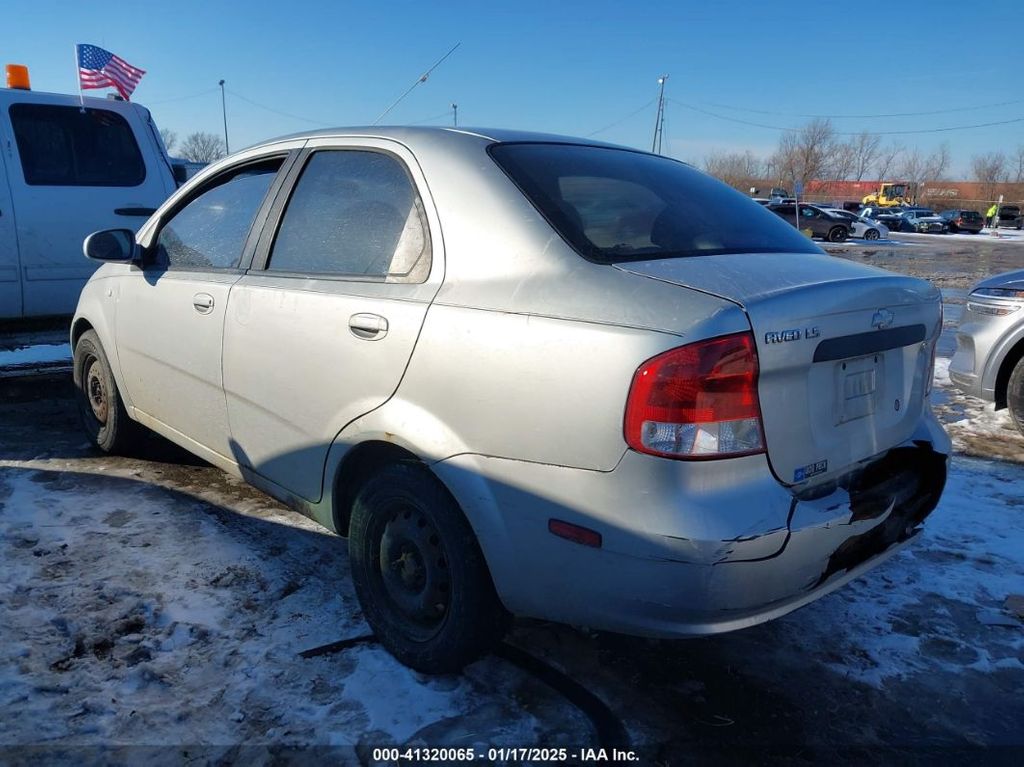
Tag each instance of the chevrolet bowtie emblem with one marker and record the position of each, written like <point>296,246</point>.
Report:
<point>883,318</point>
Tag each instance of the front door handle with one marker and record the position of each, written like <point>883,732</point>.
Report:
<point>369,327</point>
<point>203,302</point>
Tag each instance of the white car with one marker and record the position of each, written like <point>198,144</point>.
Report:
<point>865,228</point>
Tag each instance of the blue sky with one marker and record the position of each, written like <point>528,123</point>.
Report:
<point>567,67</point>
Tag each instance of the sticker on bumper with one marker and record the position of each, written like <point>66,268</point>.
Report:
<point>810,470</point>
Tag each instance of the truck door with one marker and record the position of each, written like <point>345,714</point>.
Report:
<point>10,284</point>
<point>73,171</point>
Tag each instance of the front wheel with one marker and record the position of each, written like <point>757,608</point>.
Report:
<point>871,234</point>
<point>1015,395</point>
<point>419,573</point>
<point>100,406</point>
<point>836,234</point>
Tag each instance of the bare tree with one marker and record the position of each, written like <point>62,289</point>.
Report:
<point>888,158</point>
<point>843,162</point>
<point>865,149</point>
<point>202,147</point>
<point>918,168</point>
<point>990,170</point>
<point>169,137</point>
<point>937,164</point>
<point>739,170</point>
<point>1019,162</point>
<point>808,154</point>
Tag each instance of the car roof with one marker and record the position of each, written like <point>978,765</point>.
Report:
<point>415,135</point>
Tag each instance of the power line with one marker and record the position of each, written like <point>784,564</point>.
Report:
<point>422,79</point>
<point>623,119</point>
<point>446,113</point>
<point>181,98</point>
<point>787,129</point>
<point>864,116</point>
<point>279,112</point>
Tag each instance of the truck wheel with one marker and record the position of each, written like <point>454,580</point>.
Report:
<point>1015,395</point>
<point>871,234</point>
<point>836,234</point>
<point>419,573</point>
<point>99,403</point>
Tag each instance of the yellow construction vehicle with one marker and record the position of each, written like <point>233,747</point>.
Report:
<point>892,194</point>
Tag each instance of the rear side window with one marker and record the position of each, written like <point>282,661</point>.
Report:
<point>211,230</point>
<point>354,213</point>
<point>66,146</point>
<point>616,205</point>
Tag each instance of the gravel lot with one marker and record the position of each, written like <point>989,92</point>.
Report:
<point>157,603</point>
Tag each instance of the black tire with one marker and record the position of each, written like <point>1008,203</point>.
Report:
<point>871,234</point>
<point>837,234</point>
<point>1015,395</point>
<point>419,573</point>
<point>100,407</point>
<point>954,229</point>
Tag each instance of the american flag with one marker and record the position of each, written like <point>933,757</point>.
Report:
<point>98,68</point>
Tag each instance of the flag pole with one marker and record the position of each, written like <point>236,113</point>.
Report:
<point>78,76</point>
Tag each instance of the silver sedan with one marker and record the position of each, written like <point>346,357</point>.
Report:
<point>989,358</point>
<point>524,375</point>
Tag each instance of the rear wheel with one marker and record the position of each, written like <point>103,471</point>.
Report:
<point>871,234</point>
<point>99,403</point>
<point>836,234</point>
<point>419,573</point>
<point>1015,395</point>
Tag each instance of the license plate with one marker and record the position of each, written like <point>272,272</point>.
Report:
<point>857,387</point>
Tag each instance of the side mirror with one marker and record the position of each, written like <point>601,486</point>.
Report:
<point>111,245</point>
<point>180,173</point>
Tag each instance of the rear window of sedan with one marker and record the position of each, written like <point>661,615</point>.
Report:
<point>614,205</point>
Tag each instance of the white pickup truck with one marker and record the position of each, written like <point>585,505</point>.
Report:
<point>69,168</point>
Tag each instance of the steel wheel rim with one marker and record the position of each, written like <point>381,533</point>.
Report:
<point>412,566</point>
<point>96,390</point>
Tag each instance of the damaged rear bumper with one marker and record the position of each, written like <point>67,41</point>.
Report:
<point>690,548</point>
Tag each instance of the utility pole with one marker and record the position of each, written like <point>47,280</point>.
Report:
<point>455,114</point>
<point>659,120</point>
<point>224,111</point>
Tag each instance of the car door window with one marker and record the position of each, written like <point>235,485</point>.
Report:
<point>354,213</point>
<point>210,231</point>
<point>73,146</point>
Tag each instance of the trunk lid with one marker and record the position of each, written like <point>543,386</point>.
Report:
<point>844,352</point>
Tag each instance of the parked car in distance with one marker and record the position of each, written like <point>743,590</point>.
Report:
<point>922,221</point>
<point>989,357</point>
<point>891,217</point>
<point>1008,216</point>
<point>963,220</point>
<point>864,228</point>
<point>820,223</point>
<point>633,414</point>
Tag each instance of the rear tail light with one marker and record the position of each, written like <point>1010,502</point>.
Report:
<point>697,401</point>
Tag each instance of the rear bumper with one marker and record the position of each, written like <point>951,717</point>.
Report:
<point>684,554</point>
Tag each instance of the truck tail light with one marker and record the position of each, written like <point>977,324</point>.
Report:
<point>697,401</point>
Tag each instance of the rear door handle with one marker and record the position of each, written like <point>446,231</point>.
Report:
<point>138,211</point>
<point>369,327</point>
<point>203,302</point>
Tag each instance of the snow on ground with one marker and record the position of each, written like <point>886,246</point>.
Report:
<point>35,354</point>
<point>133,614</point>
<point>975,426</point>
